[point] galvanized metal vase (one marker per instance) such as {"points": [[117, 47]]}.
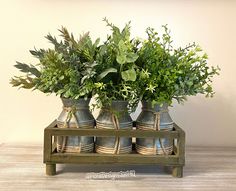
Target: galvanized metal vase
{"points": [[154, 118], [114, 117], [75, 114]]}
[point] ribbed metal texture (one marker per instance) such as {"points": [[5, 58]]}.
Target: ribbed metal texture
{"points": [[146, 121], [75, 114], [114, 117]]}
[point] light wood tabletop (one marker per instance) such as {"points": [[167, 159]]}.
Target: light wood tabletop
{"points": [[207, 168]]}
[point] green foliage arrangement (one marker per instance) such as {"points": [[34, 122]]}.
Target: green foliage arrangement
{"points": [[68, 70], [167, 73], [116, 66], [121, 68]]}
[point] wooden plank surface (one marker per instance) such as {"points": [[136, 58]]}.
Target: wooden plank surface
{"points": [[207, 168]]}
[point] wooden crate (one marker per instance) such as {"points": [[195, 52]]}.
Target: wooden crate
{"points": [[51, 157]]}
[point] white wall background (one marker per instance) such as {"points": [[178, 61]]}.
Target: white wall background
{"points": [[24, 23]]}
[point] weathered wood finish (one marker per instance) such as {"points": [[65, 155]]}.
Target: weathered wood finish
{"points": [[112, 132], [91, 158], [177, 171], [51, 157], [50, 169]]}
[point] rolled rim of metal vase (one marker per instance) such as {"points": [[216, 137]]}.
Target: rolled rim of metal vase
{"points": [[155, 107], [68, 102], [147, 107], [118, 106]]}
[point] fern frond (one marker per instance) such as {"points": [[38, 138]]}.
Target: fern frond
{"points": [[22, 82], [38, 53], [29, 69], [52, 40], [69, 39]]}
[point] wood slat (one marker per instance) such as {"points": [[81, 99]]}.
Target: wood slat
{"points": [[95, 158], [112, 132], [51, 158], [53, 130]]}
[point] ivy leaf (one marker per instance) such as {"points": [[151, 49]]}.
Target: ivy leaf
{"points": [[121, 58], [131, 57], [105, 72], [129, 75], [189, 83], [122, 47]]}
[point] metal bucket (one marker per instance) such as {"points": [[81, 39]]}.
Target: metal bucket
{"points": [[114, 117], [154, 118], [75, 114]]}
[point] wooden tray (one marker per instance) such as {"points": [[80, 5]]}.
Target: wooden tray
{"points": [[51, 157]]}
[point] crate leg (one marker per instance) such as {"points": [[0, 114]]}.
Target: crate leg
{"points": [[50, 169], [177, 171]]}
